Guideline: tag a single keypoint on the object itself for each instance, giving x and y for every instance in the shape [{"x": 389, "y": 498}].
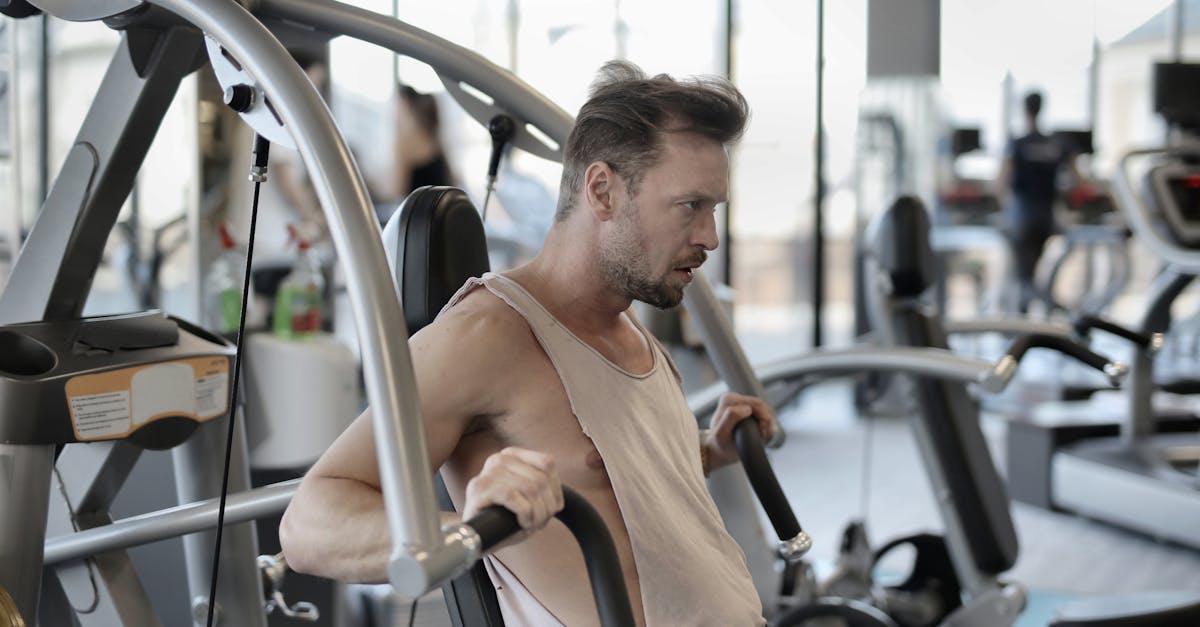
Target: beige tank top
[{"x": 691, "y": 571}]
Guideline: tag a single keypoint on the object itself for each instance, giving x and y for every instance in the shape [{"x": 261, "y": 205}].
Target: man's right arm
[{"x": 335, "y": 525}]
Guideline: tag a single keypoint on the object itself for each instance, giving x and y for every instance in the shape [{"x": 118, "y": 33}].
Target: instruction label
[
  {"x": 101, "y": 415},
  {"x": 113, "y": 404}
]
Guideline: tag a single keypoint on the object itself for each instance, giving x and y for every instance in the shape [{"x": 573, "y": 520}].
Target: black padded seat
[{"x": 435, "y": 242}]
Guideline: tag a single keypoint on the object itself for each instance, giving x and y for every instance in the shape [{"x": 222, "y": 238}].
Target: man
[
  {"x": 542, "y": 375},
  {"x": 1027, "y": 189}
]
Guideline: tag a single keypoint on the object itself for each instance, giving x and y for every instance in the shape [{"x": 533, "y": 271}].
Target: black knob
[
  {"x": 239, "y": 97},
  {"x": 18, "y": 8}
]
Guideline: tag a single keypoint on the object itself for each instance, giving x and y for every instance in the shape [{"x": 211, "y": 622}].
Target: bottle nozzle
[{"x": 227, "y": 241}]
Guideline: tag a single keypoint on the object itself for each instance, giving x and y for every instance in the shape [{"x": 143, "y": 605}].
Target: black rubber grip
[
  {"x": 762, "y": 479},
  {"x": 496, "y": 523},
  {"x": 1057, "y": 343},
  {"x": 1084, "y": 324}
]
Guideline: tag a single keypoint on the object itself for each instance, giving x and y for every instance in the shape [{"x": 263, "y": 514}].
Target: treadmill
[{"x": 1146, "y": 475}]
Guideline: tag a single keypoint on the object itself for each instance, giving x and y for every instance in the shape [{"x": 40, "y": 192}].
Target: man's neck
[{"x": 566, "y": 280}]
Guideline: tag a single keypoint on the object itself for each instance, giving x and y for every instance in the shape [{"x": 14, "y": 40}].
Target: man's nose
[{"x": 705, "y": 235}]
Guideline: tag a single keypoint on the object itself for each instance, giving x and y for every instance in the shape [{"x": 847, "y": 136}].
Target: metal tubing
[
  {"x": 25, "y": 496},
  {"x": 449, "y": 59},
  {"x": 53, "y": 273},
  {"x": 1139, "y": 422},
  {"x": 1138, "y": 216},
  {"x": 170, "y": 523},
  {"x": 407, "y": 483},
  {"x": 818, "y": 286},
  {"x": 930, "y": 362},
  {"x": 92, "y": 473},
  {"x": 719, "y": 339},
  {"x": 1008, "y": 326},
  {"x": 198, "y": 474}
]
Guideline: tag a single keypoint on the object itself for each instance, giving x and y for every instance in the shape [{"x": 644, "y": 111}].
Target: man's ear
[{"x": 600, "y": 185}]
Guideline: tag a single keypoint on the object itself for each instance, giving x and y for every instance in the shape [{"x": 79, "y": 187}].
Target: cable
[
  {"x": 412, "y": 612},
  {"x": 867, "y": 452},
  {"x": 501, "y": 128},
  {"x": 258, "y": 174}
]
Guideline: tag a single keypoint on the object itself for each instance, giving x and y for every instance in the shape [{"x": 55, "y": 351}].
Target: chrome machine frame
[{"x": 73, "y": 225}]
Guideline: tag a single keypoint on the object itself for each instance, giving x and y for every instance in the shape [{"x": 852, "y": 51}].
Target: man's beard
[{"x": 624, "y": 265}]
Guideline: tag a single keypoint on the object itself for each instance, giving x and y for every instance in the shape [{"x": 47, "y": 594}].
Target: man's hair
[
  {"x": 626, "y": 113},
  {"x": 1033, "y": 104}
]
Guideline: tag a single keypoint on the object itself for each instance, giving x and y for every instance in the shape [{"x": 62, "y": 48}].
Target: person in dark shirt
[
  {"x": 1027, "y": 190},
  {"x": 419, "y": 157}
]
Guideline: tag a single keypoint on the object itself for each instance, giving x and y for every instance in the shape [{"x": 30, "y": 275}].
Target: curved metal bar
[
  {"x": 858, "y": 359},
  {"x": 421, "y": 556},
  {"x": 1138, "y": 215},
  {"x": 170, "y": 522},
  {"x": 1008, "y": 326},
  {"x": 450, "y": 60},
  {"x": 722, "y": 345}
]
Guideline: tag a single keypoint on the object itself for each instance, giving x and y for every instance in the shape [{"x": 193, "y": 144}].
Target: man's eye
[{"x": 694, "y": 205}]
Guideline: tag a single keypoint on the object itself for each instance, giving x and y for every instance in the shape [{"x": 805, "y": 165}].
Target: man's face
[{"x": 659, "y": 236}]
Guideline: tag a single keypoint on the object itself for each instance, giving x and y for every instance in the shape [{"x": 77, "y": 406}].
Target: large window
[{"x": 775, "y": 53}]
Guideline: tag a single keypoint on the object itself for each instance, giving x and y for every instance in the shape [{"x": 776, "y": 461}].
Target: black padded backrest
[
  {"x": 436, "y": 242},
  {"x": 900, "y": 246},
  {"x": 440, "y": 244},
  {"x": 951, "y": 419},
  {"x": 899, "y": 243}
]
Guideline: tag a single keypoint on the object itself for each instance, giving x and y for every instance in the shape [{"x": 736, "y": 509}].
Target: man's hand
[
  {"x": 524, "y": 482},
  {"x": 734, "y": 408}
]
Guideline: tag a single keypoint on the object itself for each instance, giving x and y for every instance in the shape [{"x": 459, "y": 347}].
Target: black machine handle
[
  {"x": 1114, "y": 370},
  {"x": 1084, "y": 324},
  {"x": 793, "y": 542},
  {"x": 494, "y": 524},
  {"x": 501, "y": 128}
]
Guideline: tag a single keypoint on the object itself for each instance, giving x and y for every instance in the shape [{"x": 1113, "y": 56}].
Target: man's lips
[
  {"x": 687, "y": 268},
  {"x": 685, "y": 273}
]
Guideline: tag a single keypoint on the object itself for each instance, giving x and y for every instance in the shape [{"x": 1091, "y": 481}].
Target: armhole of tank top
[{"x": 542, "y": 343}]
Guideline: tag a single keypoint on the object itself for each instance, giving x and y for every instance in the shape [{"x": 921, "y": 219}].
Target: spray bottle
[{"x": 298, "y": 302}]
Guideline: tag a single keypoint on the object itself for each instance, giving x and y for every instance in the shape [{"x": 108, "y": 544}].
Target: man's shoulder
[{"x": 479, "y": 324}]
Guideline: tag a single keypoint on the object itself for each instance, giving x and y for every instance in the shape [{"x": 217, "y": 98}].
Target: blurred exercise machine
[
  {"x": 1144, "y": 473},
  {"x": 980, "y": 535}
]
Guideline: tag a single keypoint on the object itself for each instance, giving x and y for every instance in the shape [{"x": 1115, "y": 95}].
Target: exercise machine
[
  {"x": 1090, "y": 226},
  {"x": 1143, "y": 473},
  {"x": 980, "y": 536},
  {"x": 265, "y": 86},
  {"x": 162, "y": 42}
]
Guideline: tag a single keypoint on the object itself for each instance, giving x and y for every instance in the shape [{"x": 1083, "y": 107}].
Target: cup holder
[{"x": 24, "y": 356}]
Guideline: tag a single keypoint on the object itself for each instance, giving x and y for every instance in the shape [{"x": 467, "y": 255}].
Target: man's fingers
[
  {"x": 524, "y": 482},
  {"x": 732, "y": 415},
  {"x": 516, "y": 502},
  {"x": 541, "y": 461},
  {"x": 752, "y": 406}
]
